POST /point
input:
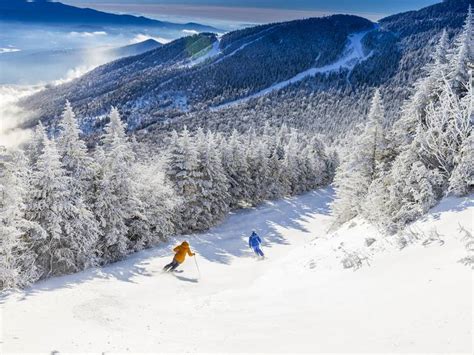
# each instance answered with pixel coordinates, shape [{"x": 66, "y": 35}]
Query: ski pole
[{"x": 197, "y": 266}]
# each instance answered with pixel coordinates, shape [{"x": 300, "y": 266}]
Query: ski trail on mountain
[
  {"x": 261, "y": 35},
  {"x": 214, "y": 50},
  {"x": 299, "y": 299},
  {"x": 353, "y": 54},
  {"x": 207, "y": 53}
]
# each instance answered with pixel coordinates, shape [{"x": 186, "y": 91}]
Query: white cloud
[
  {"x": 12, "y": 116},
  {"x": 87, "y": 34},
  {"x": 143, "y": 37},
  {"x": 74, "y": 73},
  {"x": 190, "y": 32},
  {"x": 9, "y": 50}
]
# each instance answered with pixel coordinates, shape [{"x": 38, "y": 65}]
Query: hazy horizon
[{"x": 232, "y": 13}]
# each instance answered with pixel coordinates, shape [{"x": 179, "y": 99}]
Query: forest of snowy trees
[
  {"x": 64, "y": 208},
  {"x": 393, "y": 176}
]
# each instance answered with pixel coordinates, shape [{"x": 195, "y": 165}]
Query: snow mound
[{"x": 301, "y": 298}]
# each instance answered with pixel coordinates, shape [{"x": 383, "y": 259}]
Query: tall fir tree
[
  {"x": 116, "y": 205},
  {"x": 361, "y": 166},
  {"x": 184, "y": 174},
  {"x": 70, "y": 240},
  {"x": 214, "y": 171},
  {"x": 211, "y": 195},
  {"x": 17, "y": 258},
  {"x": 426, "y": 91},
  {"x": 158, "y": 201},
  {"x": 461, "y": 181},
  {"x": 78, "y": 163},
  {"x": 236, "y": 169},
  {"x": 462, "y": 55},
  {"x": 258, "y": 162}
]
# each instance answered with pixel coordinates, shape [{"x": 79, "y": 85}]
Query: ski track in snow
[
  {"x": 299, "y": 299},
  {"x": 237, "y": 50},
  {"x": 246, "y": 44},
  {"x": 354, "y": 53}
]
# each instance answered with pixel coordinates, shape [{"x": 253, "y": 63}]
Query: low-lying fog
[{"x": 32, "y": 56}]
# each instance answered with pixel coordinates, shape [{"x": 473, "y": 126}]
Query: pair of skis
[{"x": 180, "y": 271}]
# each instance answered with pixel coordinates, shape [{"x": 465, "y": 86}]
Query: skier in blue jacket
[{"x": 254, "y": 243}]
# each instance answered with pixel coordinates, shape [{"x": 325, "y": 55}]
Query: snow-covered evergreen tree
[
  {"x": 71, "y": 236},
  {"x": 116, "y": 206},
  {"x": 426, "y": 91},
  {"x": 158, "y": 204},
  {"x": 17, "y": 258},
  {"x": 183, "y": 172},
  {"x": 236, "y": 169},
  {"x": 436, "y": 154},
  {"x": 361, "y": 166},
  {"x": 35, "y": 145},
  {"x": 75, "y": 158},
  {"x": 278, "y": 184},
  {"x": 448, "y": 124},
  {"x": 213, "y": 193},
  {"x": 413, "y": 189},
  {"x": 257, "y": 159},
  {"x": 293, "y": 163},
  {"x": 462, "y": 55},
  {"x": 461, "y": 181},
  {"x": 316, "y": 164}
]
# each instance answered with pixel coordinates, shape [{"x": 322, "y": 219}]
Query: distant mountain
[
  {"x": 55, "y": 13},
  {"x": 205, "y": 69},
  {"x": 135, "y": 49},
  {"x": 20, "y": 67},
  {"x": 315, "y": 73}
]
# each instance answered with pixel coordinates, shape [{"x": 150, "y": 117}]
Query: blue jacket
[{"x": 254, "y": 240}]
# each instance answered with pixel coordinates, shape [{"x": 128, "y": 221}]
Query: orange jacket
[{"x": 181, "y": 251}]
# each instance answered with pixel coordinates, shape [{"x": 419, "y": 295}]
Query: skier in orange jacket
[{"x": 181, "y": 251}]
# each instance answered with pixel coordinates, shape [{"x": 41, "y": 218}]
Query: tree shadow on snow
[
  {"x": 230, "y": 239},
  {"x": 220, "y": 244},
  {"x": 187, "y": 279},
  {"x": 449, "y": 204},
  {"x": 125, "y": 270}
]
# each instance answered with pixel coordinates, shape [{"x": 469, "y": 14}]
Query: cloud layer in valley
[{"x": 12, "y": 116}]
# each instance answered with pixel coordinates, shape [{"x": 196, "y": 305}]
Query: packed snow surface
[
  {"x": 299, "y": 299},
  {"x": 353, "y": 54}
]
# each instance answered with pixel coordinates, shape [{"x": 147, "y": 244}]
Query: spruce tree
[
  {"x": 17, "y": 259},
  {"x": 183, "y": 173},
  {"x": 70, "y": 241},
  {"x": 236, "y": 169},
  {"x": 361, "y": 166},
  {"x": 75, "y": 158},
  {"x": 462, "y": 55},
  {"x": 214, "y": 171},
  {"x": 461, "y": 181},
  {"x": 426, "y": 91},
  {"x": 115, "y": 205}
]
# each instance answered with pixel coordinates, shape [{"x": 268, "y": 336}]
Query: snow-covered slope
[
  {"x": 353, "y": 54},
  {"x": 418, "y": 299},
  {"x": 207, "y": 53}
]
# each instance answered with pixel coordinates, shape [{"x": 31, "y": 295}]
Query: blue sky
[{"x": 252, "y": 11}]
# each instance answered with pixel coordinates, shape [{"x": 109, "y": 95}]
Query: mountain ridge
[
  {"x": 57, "y": 13},
  {"x": 158, "y": 92}
]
